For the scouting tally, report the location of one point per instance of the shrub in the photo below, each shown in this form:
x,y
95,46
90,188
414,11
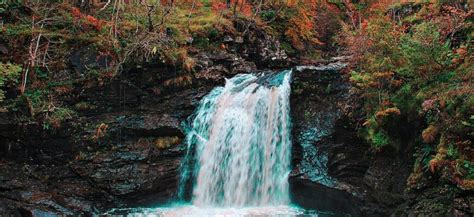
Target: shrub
x,y
9,77
414,71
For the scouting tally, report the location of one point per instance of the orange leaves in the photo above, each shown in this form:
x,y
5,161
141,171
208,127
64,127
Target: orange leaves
x,y
88,19
302,29
434,164
100,132
429,134
466,184
291,3
96,23
461,55
242,6
387,112
246,9
76,13
217,6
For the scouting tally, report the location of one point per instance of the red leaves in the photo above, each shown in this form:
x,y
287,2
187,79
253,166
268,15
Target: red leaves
x,y
241,6
76,13
217,6
96,23
89,20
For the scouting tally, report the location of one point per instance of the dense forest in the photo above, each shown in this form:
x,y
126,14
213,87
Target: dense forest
x,y
409,67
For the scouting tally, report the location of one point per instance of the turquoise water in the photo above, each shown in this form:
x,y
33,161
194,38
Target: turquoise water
x,y
192,210
241,137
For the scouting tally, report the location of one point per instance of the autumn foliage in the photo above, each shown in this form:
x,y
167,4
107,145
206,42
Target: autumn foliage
x,y
89,21
414,72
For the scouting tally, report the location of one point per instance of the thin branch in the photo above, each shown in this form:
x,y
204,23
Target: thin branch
x,y
106,5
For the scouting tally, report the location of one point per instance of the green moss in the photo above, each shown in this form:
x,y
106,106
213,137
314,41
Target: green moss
x,y
84,106
379,139
288,48
9,77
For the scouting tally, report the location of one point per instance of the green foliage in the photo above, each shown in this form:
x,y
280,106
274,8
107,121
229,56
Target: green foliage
x,y
379,139
38,99
213,33
5,5
452,152
423,54
268,15
469,168
412,77
56,116
9,77
427,153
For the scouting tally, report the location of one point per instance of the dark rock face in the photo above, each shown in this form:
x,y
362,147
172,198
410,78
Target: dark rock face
x,y
325,151
335,171
331,158
312,195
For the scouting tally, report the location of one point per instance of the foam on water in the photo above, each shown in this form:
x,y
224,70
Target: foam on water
x,y
192,210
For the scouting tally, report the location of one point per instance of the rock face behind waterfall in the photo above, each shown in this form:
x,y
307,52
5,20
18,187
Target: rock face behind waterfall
x,y
321,135
331,169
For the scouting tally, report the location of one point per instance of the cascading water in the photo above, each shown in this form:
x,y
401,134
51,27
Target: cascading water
x,y
241,134
239,151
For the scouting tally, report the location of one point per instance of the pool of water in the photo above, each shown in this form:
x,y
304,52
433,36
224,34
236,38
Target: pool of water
x,y
188,210
191,210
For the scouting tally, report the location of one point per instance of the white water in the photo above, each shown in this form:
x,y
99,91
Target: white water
x,y
241,133
195,211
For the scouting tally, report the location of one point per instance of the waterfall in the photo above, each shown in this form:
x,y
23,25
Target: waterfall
x,y
240,139
239,152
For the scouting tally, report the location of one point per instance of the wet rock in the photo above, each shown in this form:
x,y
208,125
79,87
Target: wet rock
x,y
215,66
326,152
311,195
152,125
